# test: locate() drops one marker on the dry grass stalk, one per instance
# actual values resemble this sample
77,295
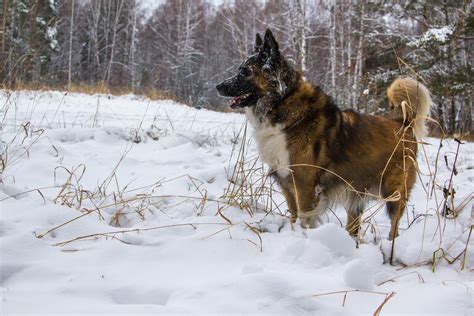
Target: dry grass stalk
250,188
448,204
19,146
388,296
118,202
111,234
420,278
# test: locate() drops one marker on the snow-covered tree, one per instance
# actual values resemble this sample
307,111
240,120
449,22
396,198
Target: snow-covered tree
353,49
31,38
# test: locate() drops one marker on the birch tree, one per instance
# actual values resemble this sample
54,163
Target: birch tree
71,36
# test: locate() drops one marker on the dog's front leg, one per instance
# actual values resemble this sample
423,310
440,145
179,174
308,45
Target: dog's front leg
312,217
310,202
290,198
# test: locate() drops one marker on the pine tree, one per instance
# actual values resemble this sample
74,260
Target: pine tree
31,38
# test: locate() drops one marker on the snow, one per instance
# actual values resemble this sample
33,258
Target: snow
51,34
147,7
146,179
438,35
358,274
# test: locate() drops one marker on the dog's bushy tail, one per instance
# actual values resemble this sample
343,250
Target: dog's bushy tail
410,101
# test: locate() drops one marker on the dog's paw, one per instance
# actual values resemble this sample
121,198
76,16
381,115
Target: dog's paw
309,222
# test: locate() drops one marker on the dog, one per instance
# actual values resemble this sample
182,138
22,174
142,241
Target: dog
320,155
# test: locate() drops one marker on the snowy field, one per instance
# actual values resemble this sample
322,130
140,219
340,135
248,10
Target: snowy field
121,205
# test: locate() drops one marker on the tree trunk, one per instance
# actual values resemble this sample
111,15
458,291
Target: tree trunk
451,116
342,81
350,84
301,30
132,49
358,67
4,25
333,57
114,38
71,34
34,63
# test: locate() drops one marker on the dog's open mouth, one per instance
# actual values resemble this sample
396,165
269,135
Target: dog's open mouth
240,101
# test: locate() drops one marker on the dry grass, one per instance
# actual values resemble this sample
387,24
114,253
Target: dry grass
150,93
122,206
250,188
388,296
108,200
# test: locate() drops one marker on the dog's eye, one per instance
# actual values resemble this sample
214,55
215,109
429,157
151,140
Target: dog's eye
245,72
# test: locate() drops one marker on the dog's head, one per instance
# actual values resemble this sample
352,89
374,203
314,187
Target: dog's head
264,74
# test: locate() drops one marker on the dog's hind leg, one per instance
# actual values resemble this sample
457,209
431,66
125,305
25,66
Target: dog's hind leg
401,183
395,211
397,185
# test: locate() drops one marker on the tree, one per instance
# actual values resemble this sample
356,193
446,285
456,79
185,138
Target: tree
31,38
352,49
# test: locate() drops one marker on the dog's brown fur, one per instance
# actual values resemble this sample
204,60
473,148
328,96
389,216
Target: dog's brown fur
343,150
321,155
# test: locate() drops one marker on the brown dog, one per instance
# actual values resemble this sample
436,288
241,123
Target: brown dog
321,155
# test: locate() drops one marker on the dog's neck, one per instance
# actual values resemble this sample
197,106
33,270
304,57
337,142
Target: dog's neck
301,101
270,102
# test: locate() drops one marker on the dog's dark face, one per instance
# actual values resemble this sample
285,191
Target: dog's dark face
264,74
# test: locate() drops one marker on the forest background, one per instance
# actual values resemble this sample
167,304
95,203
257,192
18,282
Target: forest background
180,49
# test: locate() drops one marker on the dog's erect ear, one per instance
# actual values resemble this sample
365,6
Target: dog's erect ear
270,44
258,43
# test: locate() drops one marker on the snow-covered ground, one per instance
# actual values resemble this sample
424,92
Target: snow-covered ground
121,205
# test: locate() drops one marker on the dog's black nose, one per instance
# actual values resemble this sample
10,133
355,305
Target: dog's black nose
219,87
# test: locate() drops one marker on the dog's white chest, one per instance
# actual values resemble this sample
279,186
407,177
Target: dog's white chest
271,144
